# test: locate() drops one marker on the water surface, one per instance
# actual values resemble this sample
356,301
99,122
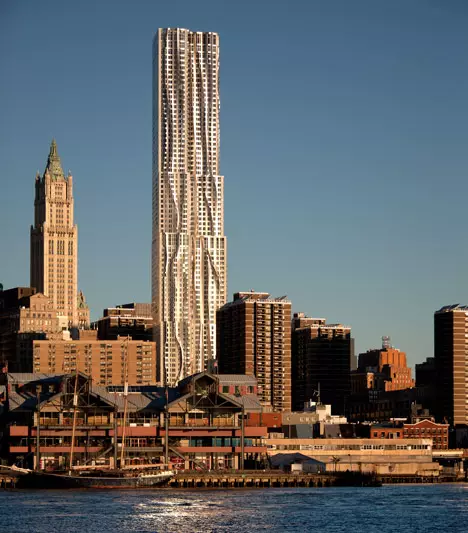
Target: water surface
391,508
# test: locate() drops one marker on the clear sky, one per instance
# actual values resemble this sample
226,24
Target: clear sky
344,149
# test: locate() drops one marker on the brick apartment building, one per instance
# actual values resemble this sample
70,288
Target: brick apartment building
321,362
254,337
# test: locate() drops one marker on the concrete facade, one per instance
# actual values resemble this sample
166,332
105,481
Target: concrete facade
403,456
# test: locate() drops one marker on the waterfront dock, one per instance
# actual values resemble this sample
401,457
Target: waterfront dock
269,479
258,479
7,481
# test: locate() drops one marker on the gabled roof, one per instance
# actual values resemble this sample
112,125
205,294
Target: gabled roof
249,401
426,421
16,378
27,401
237,379
225,397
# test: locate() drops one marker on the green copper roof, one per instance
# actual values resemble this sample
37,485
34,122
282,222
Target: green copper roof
53,162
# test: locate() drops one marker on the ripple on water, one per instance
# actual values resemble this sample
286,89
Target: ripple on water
328,510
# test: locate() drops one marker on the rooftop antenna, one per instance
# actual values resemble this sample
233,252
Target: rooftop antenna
386,343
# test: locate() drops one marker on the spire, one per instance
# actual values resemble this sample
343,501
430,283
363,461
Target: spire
54,165
53,149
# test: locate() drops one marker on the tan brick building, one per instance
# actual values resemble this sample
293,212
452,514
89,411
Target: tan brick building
451,360
24,316
107,362
254,337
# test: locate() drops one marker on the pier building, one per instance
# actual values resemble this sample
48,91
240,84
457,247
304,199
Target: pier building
200,424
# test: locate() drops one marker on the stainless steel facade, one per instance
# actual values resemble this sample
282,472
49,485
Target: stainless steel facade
189,246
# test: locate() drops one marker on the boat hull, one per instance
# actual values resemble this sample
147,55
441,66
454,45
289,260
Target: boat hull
37,480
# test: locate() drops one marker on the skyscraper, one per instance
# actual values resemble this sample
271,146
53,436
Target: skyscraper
189,246
321,362
254,337
451,364
54,242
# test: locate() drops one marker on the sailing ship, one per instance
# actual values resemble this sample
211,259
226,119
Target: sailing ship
95,477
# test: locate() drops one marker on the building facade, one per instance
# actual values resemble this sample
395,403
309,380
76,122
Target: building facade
54,240
424,429
254,337
129,320
206,426
451,360
106,362
369,455
382,369
189,247
321,362
26,316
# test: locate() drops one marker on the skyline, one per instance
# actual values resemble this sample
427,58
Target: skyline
395,118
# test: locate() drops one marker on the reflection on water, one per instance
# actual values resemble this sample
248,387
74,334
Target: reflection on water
327,510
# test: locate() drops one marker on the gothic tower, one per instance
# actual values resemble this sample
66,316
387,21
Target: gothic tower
54,240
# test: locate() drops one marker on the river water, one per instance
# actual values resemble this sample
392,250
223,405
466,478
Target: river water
391,508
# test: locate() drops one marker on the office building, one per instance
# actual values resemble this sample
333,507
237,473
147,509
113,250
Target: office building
54,242
321,362
451,360
254,337
25,316
189,246
128,320
382,369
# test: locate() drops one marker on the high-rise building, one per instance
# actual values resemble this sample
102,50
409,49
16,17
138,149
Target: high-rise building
189,246
321,362
382,369
254,337
451,361
54,242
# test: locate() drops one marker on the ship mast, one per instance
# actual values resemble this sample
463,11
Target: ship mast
38,430
75,405
122,450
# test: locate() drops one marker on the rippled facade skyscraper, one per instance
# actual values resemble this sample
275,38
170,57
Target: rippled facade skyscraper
189,262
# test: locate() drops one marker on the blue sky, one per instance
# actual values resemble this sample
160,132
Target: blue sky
344,149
